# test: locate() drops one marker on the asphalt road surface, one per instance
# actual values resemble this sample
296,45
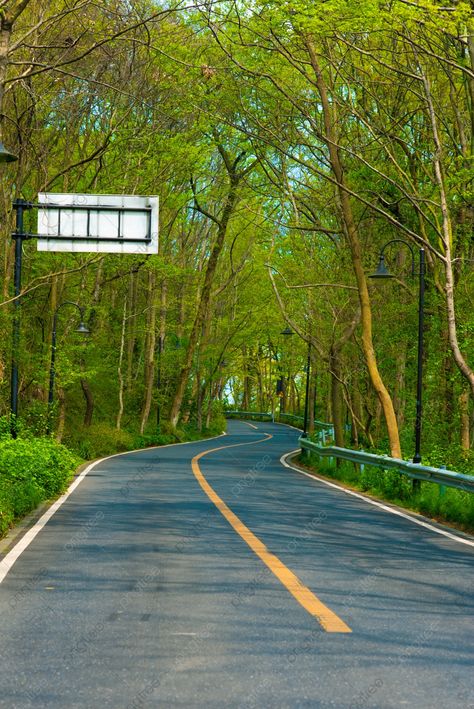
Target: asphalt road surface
169,578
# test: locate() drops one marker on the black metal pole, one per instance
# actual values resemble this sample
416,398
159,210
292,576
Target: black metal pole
306,401
419,383
19,205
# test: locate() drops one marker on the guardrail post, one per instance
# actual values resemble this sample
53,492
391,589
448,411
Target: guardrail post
442,488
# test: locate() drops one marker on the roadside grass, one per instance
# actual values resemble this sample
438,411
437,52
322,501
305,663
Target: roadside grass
101,439
445,505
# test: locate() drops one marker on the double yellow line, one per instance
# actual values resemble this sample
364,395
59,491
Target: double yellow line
305,597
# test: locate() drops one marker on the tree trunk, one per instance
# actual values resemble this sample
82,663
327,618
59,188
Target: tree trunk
119,368
465,423
160,348
61,414
132,299
150,344
352,236
86,390
204,300
399,390
336,399
459,358
246,402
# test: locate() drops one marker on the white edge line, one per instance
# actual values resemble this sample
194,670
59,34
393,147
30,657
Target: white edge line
386,508
9,559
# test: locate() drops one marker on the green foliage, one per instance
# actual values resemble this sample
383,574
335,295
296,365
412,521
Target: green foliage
41,460
98,440
387,483
31,470
452,456
260,100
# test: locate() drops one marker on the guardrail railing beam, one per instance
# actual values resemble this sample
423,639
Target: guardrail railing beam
416,471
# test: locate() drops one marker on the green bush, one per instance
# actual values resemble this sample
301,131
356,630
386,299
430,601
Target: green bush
154,439
34,469
98,440
40,460
31,470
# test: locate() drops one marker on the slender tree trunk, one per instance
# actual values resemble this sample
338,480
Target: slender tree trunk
209,408
246,403
204,300
160,348
459,358
120,365
465,423
201,389
350,229
399,390
86,390
61,414
150,344
336,399
132,299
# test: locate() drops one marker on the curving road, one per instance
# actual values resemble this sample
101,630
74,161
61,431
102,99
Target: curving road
173,577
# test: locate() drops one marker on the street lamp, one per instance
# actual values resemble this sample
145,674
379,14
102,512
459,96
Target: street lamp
5,157
82,329
306,401
281,388
383,273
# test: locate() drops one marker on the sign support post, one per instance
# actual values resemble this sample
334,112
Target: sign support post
80,223
20,205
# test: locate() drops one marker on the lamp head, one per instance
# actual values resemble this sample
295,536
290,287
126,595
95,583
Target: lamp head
6,155
82,329
381,271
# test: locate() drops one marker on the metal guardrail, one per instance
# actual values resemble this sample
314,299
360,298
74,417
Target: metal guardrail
448,478
249,414
416,471
326,429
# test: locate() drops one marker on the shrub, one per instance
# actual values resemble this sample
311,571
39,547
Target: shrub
154,439
41,460
31,470
98,440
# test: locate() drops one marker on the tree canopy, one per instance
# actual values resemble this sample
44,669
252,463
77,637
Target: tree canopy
288,142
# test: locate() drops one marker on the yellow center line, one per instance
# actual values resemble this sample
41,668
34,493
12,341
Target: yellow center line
305,597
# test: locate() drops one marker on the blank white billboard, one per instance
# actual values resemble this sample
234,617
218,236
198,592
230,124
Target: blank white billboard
105,223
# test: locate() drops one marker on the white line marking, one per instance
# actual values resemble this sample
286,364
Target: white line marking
392,511
251,425
9,559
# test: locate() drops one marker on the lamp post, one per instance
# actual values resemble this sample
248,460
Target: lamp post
281,387
382,273
6,157
306,401
83,330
